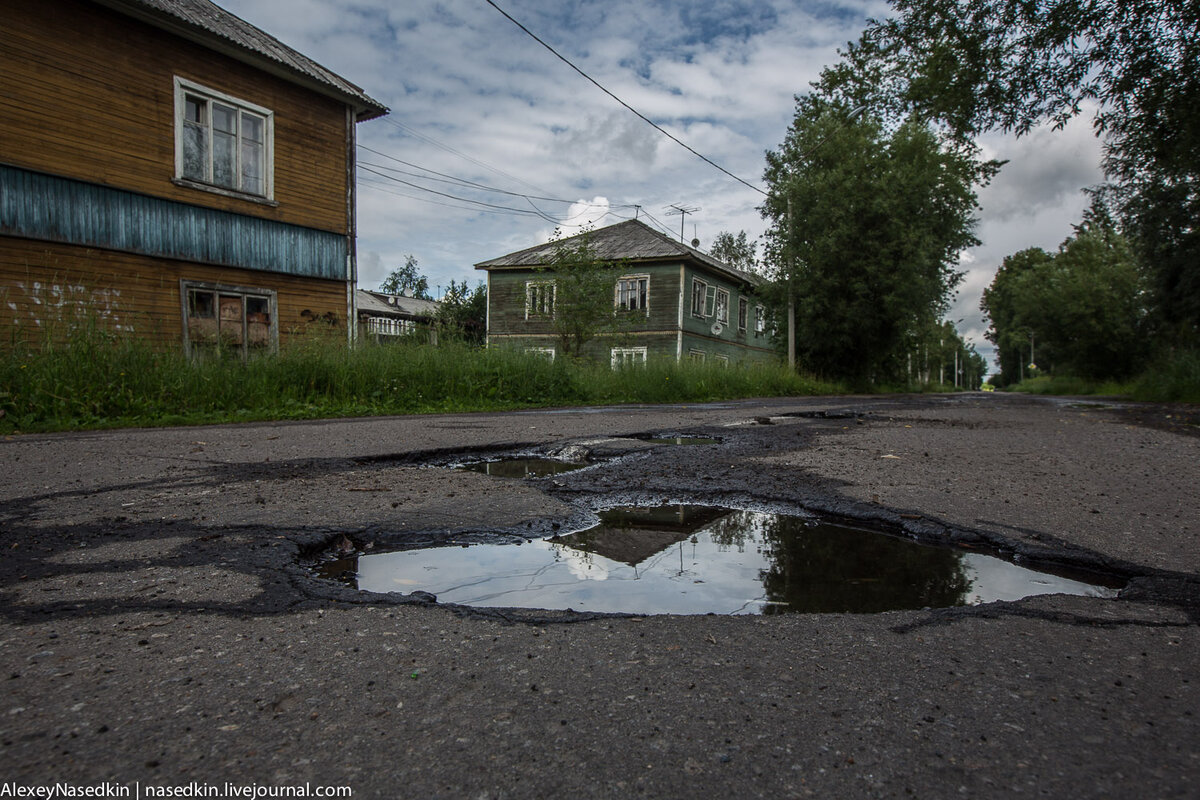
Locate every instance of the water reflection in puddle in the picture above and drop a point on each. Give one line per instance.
(697, 560)
(531, 467)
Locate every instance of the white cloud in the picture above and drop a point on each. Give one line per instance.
(721, 76)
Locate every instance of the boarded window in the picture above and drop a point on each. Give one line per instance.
(227, 321)
(743, 313)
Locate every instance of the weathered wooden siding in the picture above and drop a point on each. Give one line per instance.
(506, 300)
(38, 206)
(659, 330)
(45, 285)
(701, 327)
(89, 94)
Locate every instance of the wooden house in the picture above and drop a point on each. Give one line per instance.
(681, 302)
(383, 316)
(169, 169)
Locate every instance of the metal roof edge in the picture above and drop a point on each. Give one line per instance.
(365, 107)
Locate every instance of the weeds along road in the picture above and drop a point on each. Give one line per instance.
(159, 630)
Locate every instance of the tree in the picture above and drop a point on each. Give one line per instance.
(1003, 304)
(406, 280)
(867, 227)
(583, 292)
(463, 313)
(1081, 310)
(1012, 64)
(735, 251)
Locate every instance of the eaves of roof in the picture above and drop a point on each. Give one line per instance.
(206, 23)
(631, 241)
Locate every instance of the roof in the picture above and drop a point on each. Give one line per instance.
(207, 23)
(394, 304)
(632, 240)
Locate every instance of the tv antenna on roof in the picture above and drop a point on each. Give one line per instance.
(682, 211)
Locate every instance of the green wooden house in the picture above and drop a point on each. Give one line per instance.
(683, 303)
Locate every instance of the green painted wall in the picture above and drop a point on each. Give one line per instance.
(658, 329)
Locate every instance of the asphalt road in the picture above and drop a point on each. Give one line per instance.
(158, 627)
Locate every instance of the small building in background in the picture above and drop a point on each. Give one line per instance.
(171, 171)
(382, 316)
(683, 302)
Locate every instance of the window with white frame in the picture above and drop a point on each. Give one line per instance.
(628, 356)
(633, 293)
(696, 355)
(221, 141)
(722, 360)
(722, 306)
(541, 352)
(743, 313)
(760, 319)
(228, 319)
(539, 299)
(699, 295)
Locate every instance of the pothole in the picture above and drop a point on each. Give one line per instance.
(689, 559)
(681, 440)
(522, 467)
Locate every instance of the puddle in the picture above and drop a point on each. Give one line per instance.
(699, 560)
(522, 467)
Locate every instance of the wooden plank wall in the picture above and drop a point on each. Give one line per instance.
(88, 93)
(44, 285)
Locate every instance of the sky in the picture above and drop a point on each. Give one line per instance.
(475, 99)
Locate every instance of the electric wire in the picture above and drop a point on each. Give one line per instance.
(637, 113)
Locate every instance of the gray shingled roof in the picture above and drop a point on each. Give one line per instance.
(390, 304)
(632, 240)
(209, 24)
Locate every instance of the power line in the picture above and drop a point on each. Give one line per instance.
(639, 114)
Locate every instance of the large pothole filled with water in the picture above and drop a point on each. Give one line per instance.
(686, 559)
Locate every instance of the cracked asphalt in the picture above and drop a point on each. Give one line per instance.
(158, 624)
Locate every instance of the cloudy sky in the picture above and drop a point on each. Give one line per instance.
(475, 100)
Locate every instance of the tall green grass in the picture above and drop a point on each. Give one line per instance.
(1172, 377)
(93, 379)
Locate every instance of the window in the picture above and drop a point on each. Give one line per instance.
(228, 319)
(699, 294)
(221, 141)
(539, 299)
(722, 360)
(760, 319)
(628, 356)
(743, 313)
(633, 293)
(696, 355)
(722, 306)
(543, 352)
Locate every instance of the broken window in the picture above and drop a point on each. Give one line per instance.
(699, 296)
(539, 299)
(633, 293)
(628, 356)
(722, 306)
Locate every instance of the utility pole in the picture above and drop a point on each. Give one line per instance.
(682, 211)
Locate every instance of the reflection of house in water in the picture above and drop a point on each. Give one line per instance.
(633, 535)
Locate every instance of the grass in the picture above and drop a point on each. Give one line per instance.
(1172, 377)
(97, 380)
